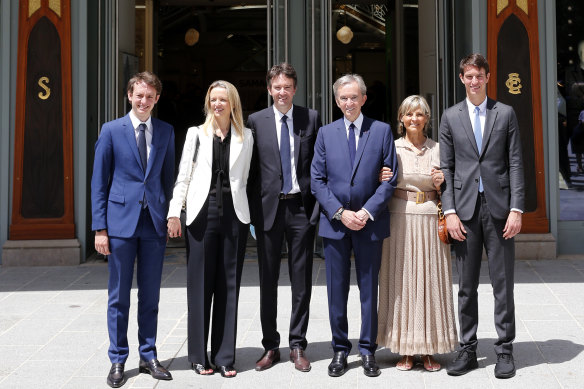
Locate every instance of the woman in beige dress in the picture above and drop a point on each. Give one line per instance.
(416, 313)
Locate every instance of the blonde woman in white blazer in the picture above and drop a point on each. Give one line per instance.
(212, 183)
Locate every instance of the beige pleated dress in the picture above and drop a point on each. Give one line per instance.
(416, 309)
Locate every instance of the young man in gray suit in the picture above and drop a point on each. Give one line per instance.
(483, 197)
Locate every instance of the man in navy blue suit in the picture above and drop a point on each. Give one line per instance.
(348, 156)
(133, 175)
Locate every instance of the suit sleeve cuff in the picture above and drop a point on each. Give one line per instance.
(368, 213)
(517, 209)
(449, 211)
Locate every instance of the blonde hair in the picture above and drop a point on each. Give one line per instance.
(234, 102)
(410, 104)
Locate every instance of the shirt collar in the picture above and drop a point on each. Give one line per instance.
(136, 122)
(358, 122)
(279, 114)
(482, 106)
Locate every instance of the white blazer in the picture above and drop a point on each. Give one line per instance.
(197, 191)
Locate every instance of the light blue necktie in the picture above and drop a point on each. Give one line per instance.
(479, 139)
(352, 143)
(285, 156)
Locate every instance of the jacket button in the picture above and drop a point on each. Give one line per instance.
(476, 180)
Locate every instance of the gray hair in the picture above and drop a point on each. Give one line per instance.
(348, 79)
(410, 104)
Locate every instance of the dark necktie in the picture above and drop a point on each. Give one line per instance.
(479, 138)
(143, 154)
(352, 143)
(285, 156)
(142, 145)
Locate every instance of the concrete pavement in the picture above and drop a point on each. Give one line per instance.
(53, 332)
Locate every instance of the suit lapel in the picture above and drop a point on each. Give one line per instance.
(363, 137)
(270, 136)
(154, 146)
(235, 147)
(205, 146)
(343, 144)
(466, 124)
(300, 121)
(128, 129)
(489, 123)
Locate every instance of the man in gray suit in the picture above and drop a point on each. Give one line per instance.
(483, 197)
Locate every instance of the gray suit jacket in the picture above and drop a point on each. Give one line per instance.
(499, 163)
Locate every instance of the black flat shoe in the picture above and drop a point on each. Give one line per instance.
(155, 369)
(370, 367)
(116, 378)
(199, 369)
(338, 365)
(226, 369)
(505, 367)
(464, 362)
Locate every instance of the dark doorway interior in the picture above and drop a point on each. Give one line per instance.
(196, 44)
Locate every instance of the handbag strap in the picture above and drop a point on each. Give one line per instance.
(195, 154)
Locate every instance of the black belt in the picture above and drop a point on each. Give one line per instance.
(289, 196)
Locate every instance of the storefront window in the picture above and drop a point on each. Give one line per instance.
(570, 100)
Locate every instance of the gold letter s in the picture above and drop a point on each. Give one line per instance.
(42, 84)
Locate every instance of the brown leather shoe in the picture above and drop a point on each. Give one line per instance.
(268, 359)
(299, 359)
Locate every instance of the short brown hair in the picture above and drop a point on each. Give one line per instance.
(146, 77)
(283, 68)
(474, 59)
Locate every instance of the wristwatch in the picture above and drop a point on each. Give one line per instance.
(337, 215)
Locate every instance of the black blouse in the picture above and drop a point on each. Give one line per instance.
(220, 178)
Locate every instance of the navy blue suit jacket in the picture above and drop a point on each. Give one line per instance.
(335, 184)
(119, 182)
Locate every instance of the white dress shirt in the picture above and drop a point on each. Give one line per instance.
(358, 124)
(148, 132)
(278, 117)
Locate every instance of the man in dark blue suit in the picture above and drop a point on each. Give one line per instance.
(133, 175)
(348, 156)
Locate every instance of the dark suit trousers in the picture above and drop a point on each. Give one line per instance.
(148, 248)
(337, 254)
(485, 230)
(215, 252)
(291, 222)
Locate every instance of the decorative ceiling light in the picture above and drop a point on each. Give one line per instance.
(344, 34)
(191, 37)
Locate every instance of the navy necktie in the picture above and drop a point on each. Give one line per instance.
(352, 143)
(479, 138)
(142, 145)
(285, 156)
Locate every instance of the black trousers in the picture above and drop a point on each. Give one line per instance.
(484, 230)
(215, 252)
(291, 222)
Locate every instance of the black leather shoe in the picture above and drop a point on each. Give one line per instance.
(155, 369)
(116, 378)
(370, 368)
(505, 367)
(464, 362)
(338, 365)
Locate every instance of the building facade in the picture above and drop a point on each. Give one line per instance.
(64, 65)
